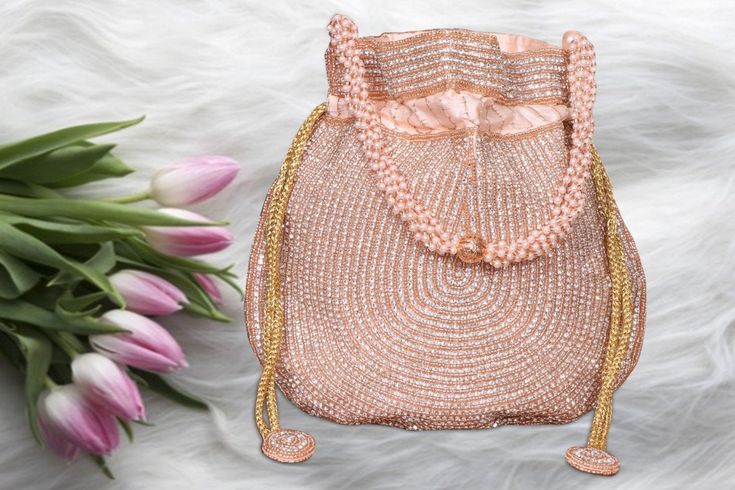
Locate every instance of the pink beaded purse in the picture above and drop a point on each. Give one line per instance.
(442, 249)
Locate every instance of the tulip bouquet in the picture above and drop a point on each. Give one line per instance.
(80, 279)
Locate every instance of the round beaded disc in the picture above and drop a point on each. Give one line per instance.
(288, 446)
(592, 460)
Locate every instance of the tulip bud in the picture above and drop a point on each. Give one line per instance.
(187, 240)
(52, 437)
(147, 345)
(65, 413)
(192, 180)
(106, 385)
(147, 293)
(208, 284)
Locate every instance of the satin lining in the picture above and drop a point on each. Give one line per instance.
(451, 110)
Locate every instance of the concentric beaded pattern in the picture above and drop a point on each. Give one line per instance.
(289, 446)
(374, 326)
(593, 460)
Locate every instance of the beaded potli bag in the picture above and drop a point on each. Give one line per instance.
(442, 249)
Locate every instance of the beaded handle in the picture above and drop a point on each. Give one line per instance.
(568, 198)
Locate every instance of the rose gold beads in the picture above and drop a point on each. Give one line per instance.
(288, 446)
(471, 249)
(592, 460)
(567, 201)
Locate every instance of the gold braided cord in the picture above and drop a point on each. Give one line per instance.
(621, 311)
(274, 315)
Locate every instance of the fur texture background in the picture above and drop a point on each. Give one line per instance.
(237, 77)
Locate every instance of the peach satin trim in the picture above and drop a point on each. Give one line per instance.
(452, 109)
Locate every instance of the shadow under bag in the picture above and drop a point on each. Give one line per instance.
(442, 249)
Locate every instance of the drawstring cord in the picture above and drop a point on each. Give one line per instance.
(594, 458)
(283, 445)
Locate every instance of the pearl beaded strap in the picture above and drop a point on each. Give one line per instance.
(568, 198)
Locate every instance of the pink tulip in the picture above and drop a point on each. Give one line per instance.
(147, 293)
(187, 240)
(68, 415)
(147, 345)
(52, 437)
(192, 180)
(208, 284)
(106, 385)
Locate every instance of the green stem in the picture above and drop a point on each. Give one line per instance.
(64, 344)
(140, 196)
(50, 383)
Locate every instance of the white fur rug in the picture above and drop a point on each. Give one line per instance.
(237, 78)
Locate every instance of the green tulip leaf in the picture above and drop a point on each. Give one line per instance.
(86, 209)
(36, 349)
(15, 276)
(65, 279)
(26, 189)
(106, 167)
(63, 312)
(38, 145)
(165, 261)
(158, 384)
(20, 244)
(199, 310)
(51, 232)
(23, 311)
(44, 295)
(137, 379)
(80, 318)
(74, 304)
(67, 342)
(101, 463)
(100, 263)
(104, 260)
(227, 277)
(56, 165)
(127, 428)
(126, 252)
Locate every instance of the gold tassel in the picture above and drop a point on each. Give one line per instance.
(283, 445)
(594, 458)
